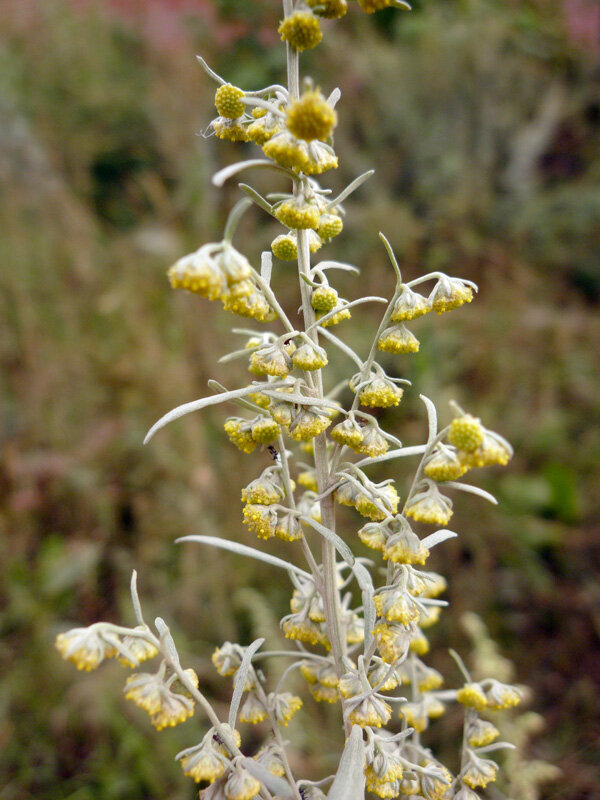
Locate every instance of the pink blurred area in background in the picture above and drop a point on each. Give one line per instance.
(163, 24)
(583, 22)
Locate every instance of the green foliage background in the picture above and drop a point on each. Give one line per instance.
(482, 119)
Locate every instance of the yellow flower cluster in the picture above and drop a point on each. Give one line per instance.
(165, 707)
(247, 434)
(219, 271)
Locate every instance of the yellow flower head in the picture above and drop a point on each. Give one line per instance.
(398, 339)
(241, 785)
(288, 528)
(379, 392)
(330, 9)
(198, 273)
(341, 314)
(479, 771)
(270, 360)
(397, 606)
(330, 225)
(227, 659)
(301, 30)
(150, 692)
(502, 695)
(228, 101)
(311, 117)
(373, 535)
(404, 546)
(493, 450)
(374, 443)
(297, 214)
(444, 465)
(247, 300)
(409, 305)
(137, 649)
(309, 357)
(472, 696)
(288, 151)
(264, 430)
(449, 293)
(285, 247)
(465, 433)
(308, 424)
(85, 647)
(252, 710)
(264, 490)
(371, 6)
(372, 712)
(203, 762)
(239, 433)
(261, 520)
(324, 299)
(430, 506)
(230, 129)
(284, 706)
(480, 732)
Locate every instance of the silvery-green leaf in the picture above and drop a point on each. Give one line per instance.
(223, 175)
(256, 197)
(352, 187)
(365, 582)
(438, 537)
(277, 786)
(137, 608)
(432, 418)
(165, 636)
(239, 682)
(467, 487)
(489, 748)
(196, 405)
(349, 781)
(342, 346)
(334, 97)
(332, 537)
(415, 450)
(244, 550)
(330, 314)
(266, 266)
(323, 265)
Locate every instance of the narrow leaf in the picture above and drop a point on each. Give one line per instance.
(467, 487)
(323, 265)
(244, 550)
(416, 450)
(266, 266)
(437, 538)
(432, 418)
(365, 582)
(349, 782)
(196, 405)
(239, 681)
(332, 537)
(277, 786)
(256, 197)
(352, 187)
(223, 175)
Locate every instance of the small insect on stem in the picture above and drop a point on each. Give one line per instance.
(274, 452)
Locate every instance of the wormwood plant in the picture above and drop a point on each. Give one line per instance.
(356, 627)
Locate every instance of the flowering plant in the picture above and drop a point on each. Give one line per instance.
(367, 654)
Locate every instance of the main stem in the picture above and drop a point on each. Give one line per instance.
(331, 600)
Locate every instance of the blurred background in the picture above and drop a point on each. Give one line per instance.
(482, 120)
